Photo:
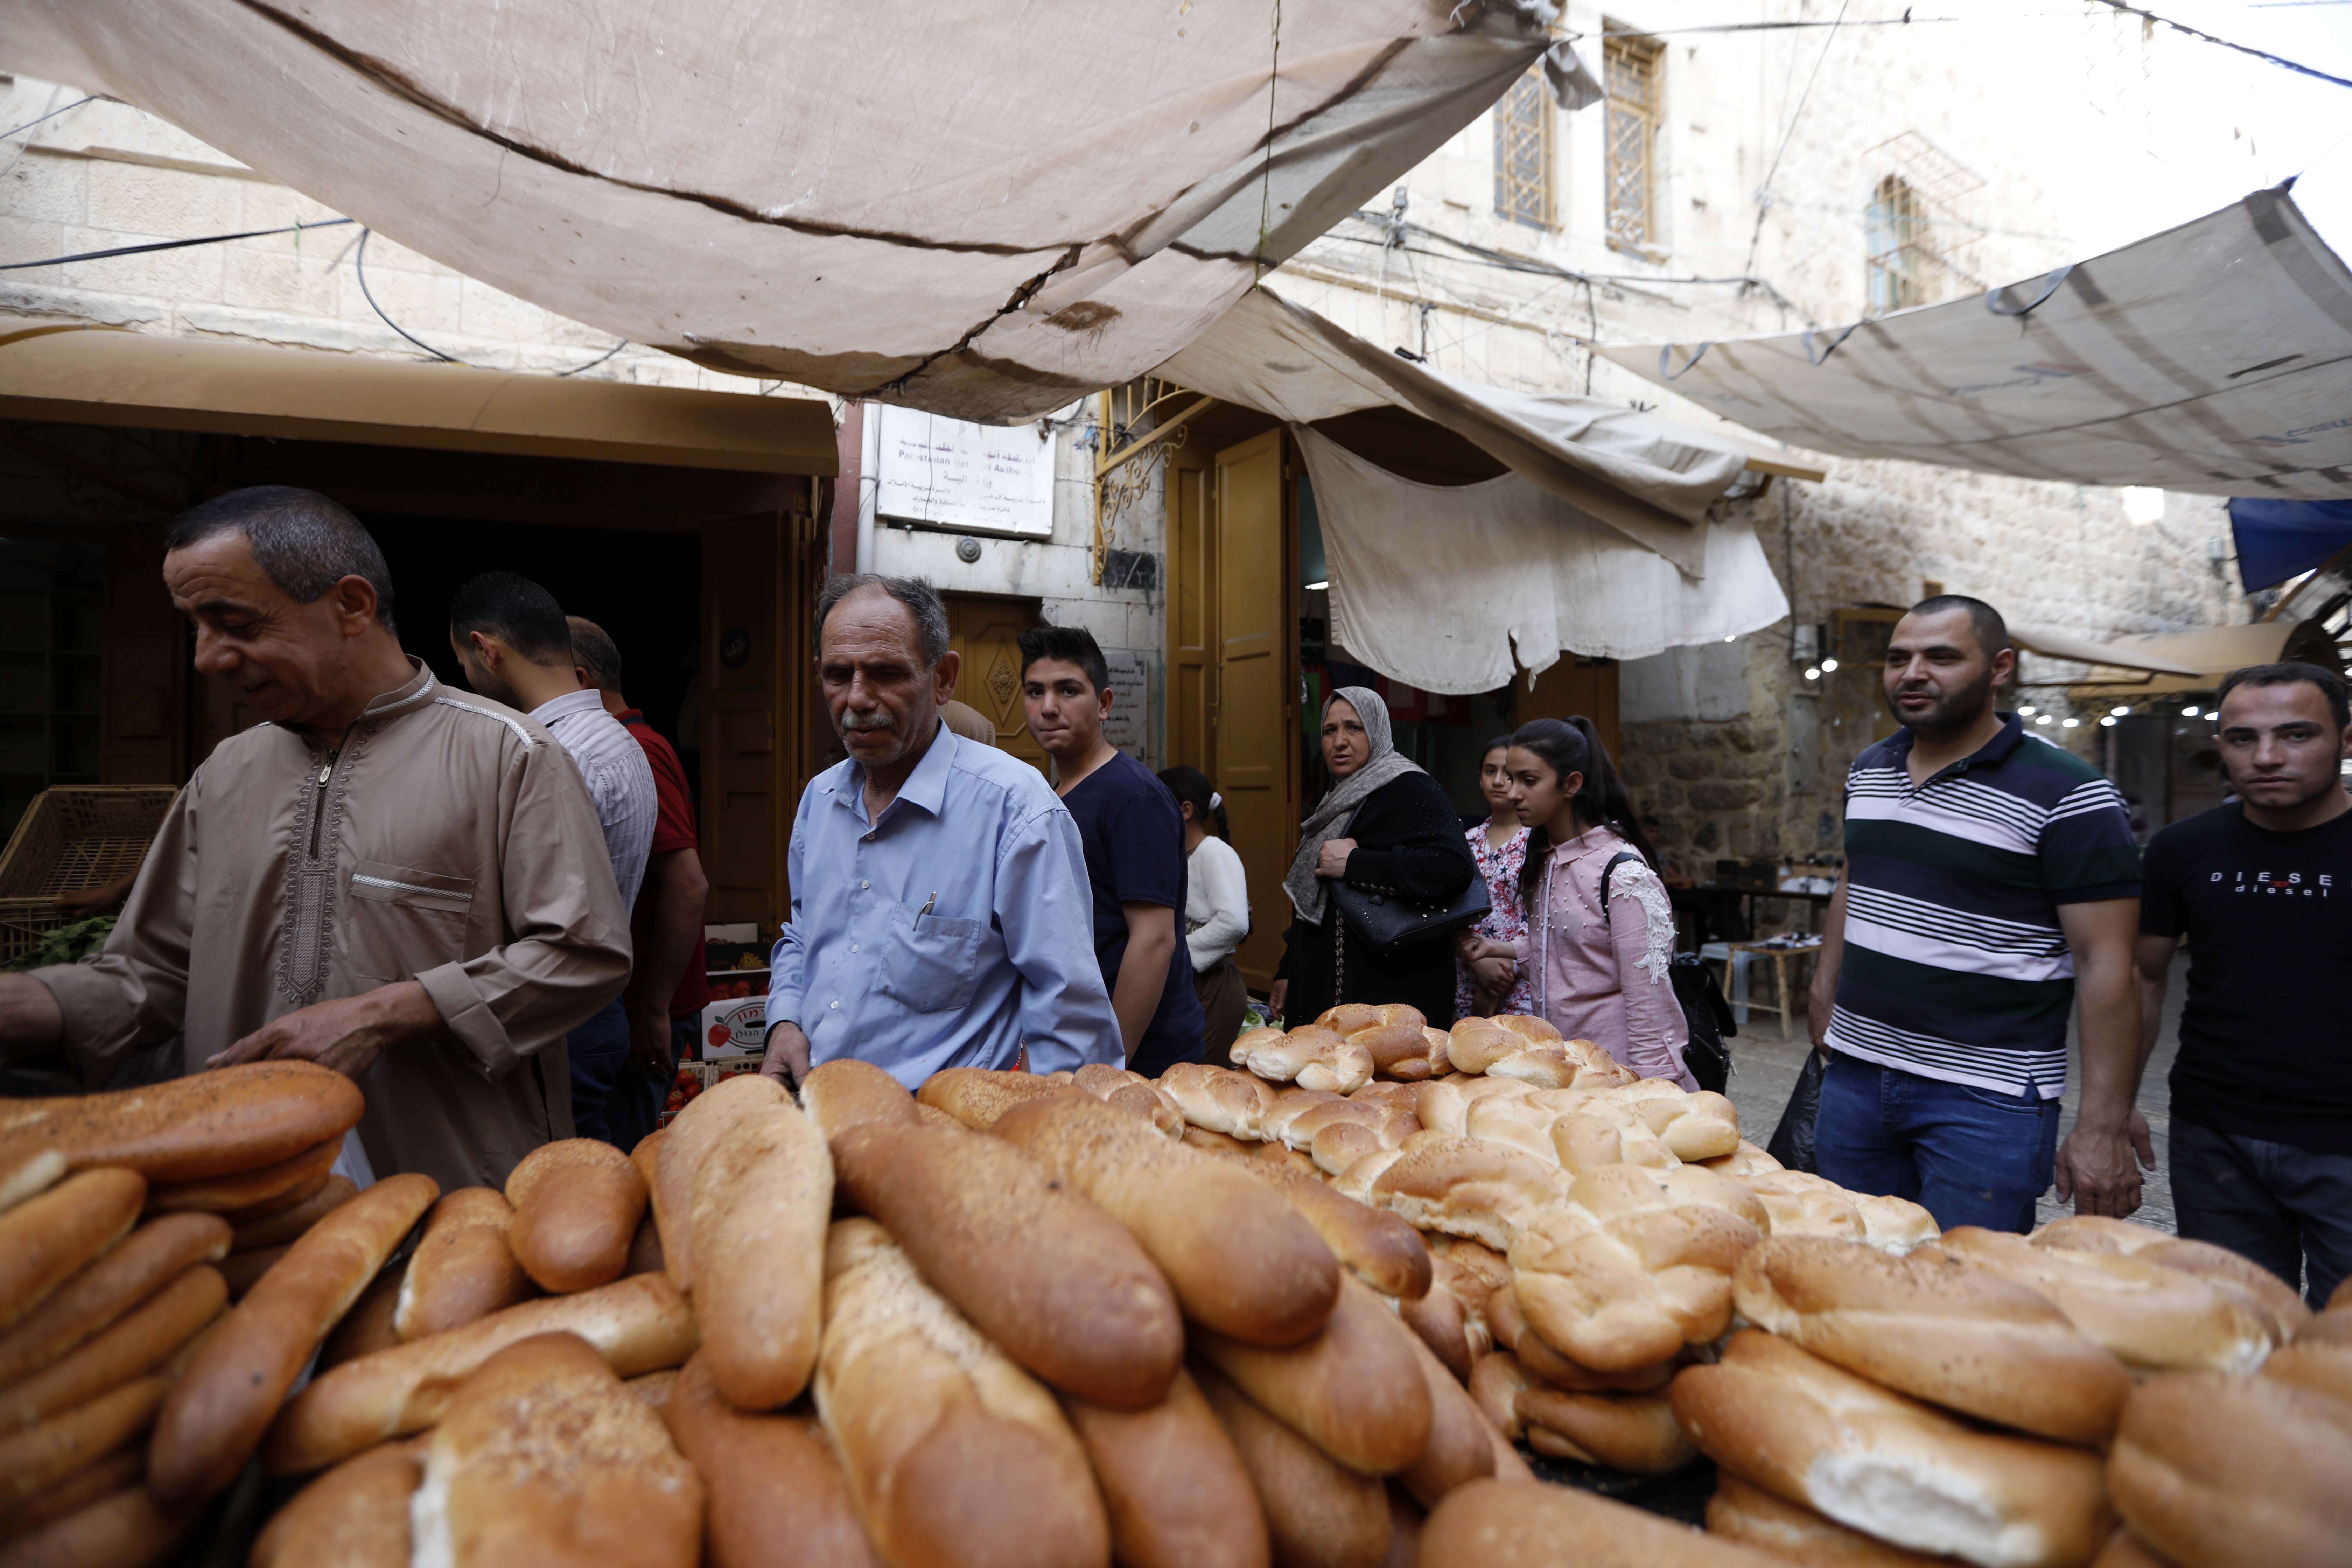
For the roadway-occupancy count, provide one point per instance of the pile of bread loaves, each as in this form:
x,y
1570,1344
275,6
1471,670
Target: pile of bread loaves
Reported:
x,y
1214,1319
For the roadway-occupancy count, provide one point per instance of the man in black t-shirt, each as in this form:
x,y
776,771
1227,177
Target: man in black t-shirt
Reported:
x,y
1134,837
2262,890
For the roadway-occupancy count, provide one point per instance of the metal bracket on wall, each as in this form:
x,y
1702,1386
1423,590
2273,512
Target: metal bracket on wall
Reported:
x,y
1122,411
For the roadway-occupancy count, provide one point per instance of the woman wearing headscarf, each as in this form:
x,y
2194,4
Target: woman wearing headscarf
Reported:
x,y
1383,827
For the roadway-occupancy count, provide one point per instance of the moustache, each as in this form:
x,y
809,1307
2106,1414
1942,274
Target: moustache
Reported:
x,y
859,723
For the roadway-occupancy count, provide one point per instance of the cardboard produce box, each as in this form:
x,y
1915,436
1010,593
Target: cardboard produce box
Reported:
x,y
736,1027
693,1077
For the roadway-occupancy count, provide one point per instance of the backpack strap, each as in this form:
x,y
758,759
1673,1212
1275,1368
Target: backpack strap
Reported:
x,y
1610,870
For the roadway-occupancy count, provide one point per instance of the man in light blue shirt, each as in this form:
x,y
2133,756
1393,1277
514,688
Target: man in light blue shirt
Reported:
x,y
941,915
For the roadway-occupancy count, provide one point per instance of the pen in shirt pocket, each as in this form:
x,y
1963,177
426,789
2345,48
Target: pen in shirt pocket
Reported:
x,y
928,905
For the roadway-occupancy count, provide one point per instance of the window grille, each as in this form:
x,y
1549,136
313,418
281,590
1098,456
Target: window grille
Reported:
x,y
1902,249
1631,67
1523,153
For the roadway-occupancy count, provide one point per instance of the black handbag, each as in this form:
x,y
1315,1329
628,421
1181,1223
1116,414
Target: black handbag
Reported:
x,y
1390,922
1705,1010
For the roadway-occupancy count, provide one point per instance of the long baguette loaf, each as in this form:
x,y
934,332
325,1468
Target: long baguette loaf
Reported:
x,y
206,1124
978,1096
1460,1448
2095,1232
354,1516
1742,1511
2236,1472
1889,1465
219,1409
1355,1390
499,1487
463,1267
763,1198
1319,1513
954,1454
775,1496
1633,1432
72,1493
1175,1488
1380,1248
1059,1285
1240,1258
295,1179
639,1324
576,1204
1933,1326
130,1349
367,1327
845,1093
243,1270
2313,1364
46,1240
129,1529
1524,1524
33,1459
127,1274
2153,1318
1495,1383
277,1229
678,1164
26,1170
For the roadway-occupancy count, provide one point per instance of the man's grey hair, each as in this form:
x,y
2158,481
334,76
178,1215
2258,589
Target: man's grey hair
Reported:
x,y
304,541
594,650
923,601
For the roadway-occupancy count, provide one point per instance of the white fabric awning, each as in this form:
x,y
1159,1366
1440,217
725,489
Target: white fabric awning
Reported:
x,y
983,210
2214,358
1448,587
1648,477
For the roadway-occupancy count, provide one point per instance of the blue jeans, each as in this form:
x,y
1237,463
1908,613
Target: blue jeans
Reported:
x,y
600,1070
1971,1156
2288,1209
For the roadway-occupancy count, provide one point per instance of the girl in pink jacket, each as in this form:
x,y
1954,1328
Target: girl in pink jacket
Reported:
x,y
1600,973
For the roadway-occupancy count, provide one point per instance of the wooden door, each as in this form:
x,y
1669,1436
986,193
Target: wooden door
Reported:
x,y
1573,686
985,631
759,576
1254,698
1191,481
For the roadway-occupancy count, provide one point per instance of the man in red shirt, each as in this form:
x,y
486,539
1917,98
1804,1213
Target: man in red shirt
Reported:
x,y
669,985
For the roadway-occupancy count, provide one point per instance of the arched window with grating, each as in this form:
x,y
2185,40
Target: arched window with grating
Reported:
x,y
1523,153
1901,252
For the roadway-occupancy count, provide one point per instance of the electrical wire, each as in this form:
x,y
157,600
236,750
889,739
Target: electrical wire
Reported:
x,y
1764,191
172,245
52,114
359,265
2205,37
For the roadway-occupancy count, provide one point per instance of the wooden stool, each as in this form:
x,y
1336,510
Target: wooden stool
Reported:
x,y
1780,957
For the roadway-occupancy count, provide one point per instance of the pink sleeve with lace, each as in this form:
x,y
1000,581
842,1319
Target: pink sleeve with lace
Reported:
x,y
1642,930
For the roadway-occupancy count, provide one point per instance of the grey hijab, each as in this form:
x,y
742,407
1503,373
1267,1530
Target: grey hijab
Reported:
x,y
1329,818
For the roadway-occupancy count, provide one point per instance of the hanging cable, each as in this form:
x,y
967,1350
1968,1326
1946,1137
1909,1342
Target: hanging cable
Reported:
x,y
2280,60
172,245
1266,171
1764,191
359,265
52,114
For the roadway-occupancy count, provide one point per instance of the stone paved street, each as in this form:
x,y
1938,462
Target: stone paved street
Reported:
x,y
1765,1068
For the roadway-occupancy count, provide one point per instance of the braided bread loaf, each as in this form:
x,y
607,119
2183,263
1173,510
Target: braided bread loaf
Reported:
x,y
1310,1056
1529,1048
1398,1038
1636,1264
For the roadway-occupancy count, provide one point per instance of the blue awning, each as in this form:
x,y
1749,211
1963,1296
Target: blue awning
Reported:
x,y
2277,539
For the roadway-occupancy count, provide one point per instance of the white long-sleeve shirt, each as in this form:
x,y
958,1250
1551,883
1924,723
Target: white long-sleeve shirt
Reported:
x,y
1216,902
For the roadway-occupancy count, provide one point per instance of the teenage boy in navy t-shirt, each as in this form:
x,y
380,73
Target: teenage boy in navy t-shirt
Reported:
x,y
1134,839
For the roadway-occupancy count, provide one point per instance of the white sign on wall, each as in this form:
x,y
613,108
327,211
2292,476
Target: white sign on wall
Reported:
x,y
1130,704
977,478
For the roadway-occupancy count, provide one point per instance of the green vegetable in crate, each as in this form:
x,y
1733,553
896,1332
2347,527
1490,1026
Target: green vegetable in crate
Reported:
x,y
66,943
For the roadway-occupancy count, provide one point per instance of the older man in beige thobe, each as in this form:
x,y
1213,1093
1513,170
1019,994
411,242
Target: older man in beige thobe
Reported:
x,y
403,882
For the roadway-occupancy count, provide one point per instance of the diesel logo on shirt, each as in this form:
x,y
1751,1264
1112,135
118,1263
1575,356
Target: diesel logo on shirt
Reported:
x,y
2291,883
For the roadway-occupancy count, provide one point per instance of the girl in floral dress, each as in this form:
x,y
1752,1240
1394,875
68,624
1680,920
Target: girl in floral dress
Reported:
x,y
1484,981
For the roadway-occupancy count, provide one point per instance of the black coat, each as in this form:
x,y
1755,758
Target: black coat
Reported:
x,y
1407,840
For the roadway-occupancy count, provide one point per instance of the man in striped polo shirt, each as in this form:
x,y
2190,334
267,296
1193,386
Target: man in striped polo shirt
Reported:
x,y
1989,876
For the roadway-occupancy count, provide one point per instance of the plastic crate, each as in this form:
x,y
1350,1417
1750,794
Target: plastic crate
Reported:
x,y
70,838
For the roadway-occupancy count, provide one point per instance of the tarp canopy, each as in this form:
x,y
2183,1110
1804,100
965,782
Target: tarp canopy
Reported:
x,y
2207,654
982,209
2214,358
1648,477
1446,587
2277,539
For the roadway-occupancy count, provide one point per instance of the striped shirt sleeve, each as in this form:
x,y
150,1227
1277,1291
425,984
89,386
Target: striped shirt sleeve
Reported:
x,y
2086,848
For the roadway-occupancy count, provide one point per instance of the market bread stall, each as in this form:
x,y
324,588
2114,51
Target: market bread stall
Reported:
x,y
1218,1318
